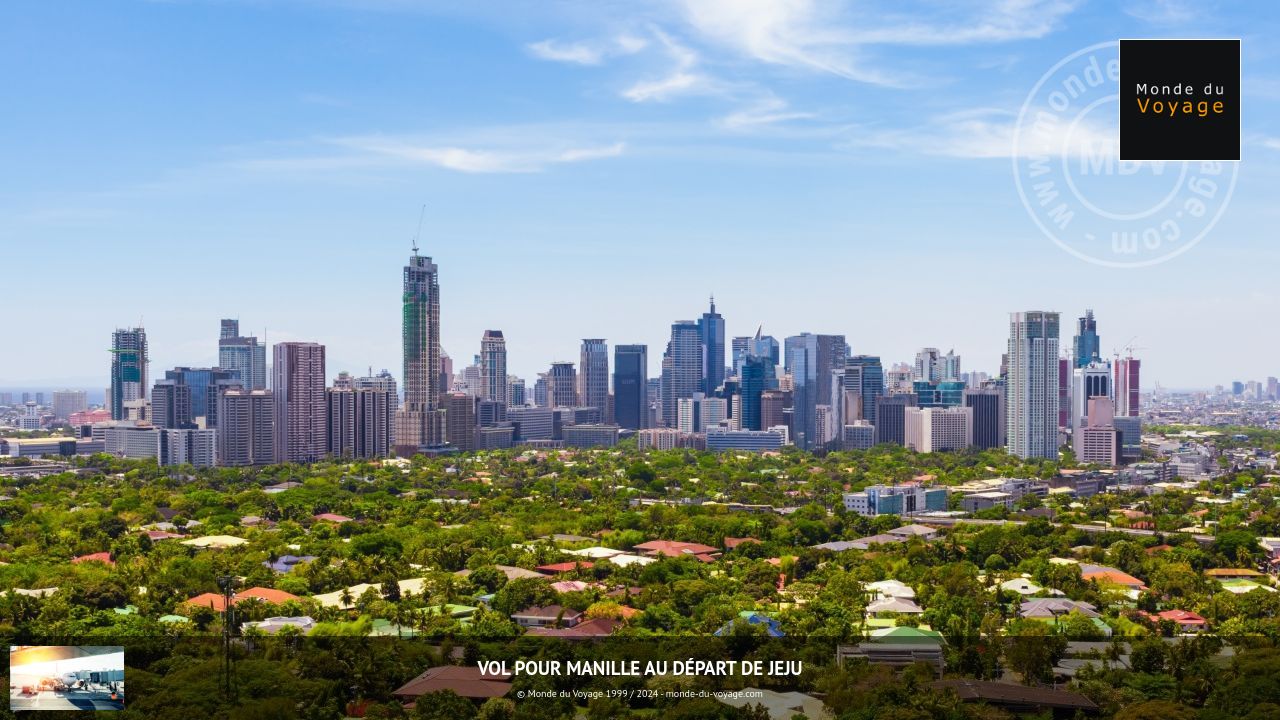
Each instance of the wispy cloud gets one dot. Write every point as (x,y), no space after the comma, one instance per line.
(1163,12)
(587,52)
(830,37)
(986,133)
(478,160)
(681,79)
(766,111)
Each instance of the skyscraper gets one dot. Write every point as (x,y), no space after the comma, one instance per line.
(1086,346)
(1087,382)
(562,382)
(811,359)
(1032,386)
(871,376)
(242,355)
(928,368)
(493,367)
(891,418)
(340,418)
(753,381)
(593,374)
(1128,386)
(630,386)
(203,383)
(171,405)
(460,421)
(988,406)
(300,409)
(68,402)
(417,422)
(128,369)
(938,429)
(711,338)
(681,368)
(245,434)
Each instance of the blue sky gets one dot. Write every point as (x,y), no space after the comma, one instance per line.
(589,170)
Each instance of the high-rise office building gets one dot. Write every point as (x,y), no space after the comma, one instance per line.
(938,429)
(630,386)
(1086,347)
(1128,386)
(493,367)
(417,423)
(593,374)
(774,408)
(949,367)
(171,405)
(1090,381)
(460,421)
(246,427)
(811,360)
(988,406)
(1032,386)
(739,348)
(203,383)
(67,402)
(753,382)
(298,379)
(681,368)
(128,369)
(928,368)
(243,355)
(711,337)
(562,385)
(1097,440)
(869,377)
(516,392)
(891,417)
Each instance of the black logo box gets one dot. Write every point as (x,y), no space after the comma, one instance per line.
(1186,68)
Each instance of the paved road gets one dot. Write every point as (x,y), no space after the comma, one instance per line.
(64,700)
(949,522)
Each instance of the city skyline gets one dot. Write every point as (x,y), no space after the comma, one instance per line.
(655,157)
(158,368)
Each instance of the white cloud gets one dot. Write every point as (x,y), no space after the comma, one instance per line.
(989,133)
(682,79)
(587,53)
(1162,12)
(829,37)
(767,111)
(470,160)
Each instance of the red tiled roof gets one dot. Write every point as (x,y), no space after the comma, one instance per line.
(211,600)
(564,567)
(102,557)
(671,548)
(270,595)
(332,517)
(733,542)
(215,601)
(1182,618)
(467,682)
(1114,577)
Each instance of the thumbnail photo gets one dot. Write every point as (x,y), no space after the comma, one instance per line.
(66,677)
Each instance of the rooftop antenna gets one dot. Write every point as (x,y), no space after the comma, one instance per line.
(418,234)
